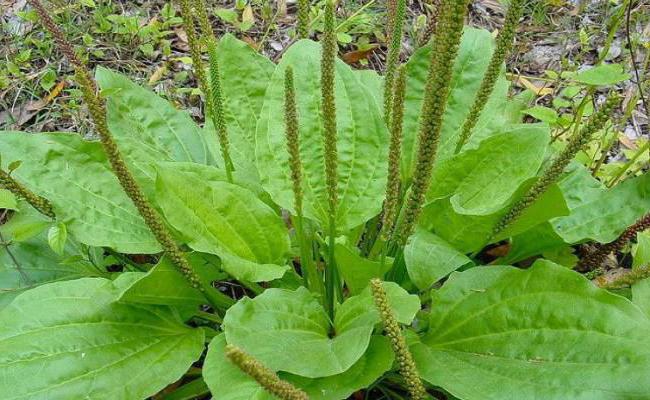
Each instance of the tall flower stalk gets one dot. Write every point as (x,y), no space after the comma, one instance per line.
(391,203)
(268,379)
(210,86)
(407,366)
(39,203)
(303,19)
(311,275)
(328,67)
(503,47)
(557,167)
(443,54)
(394,51)
(97,110)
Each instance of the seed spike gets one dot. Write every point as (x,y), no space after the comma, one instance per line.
(596,258)
(293,144)
(268,379)
(41,204)
(210,87)
(328,66)
(503,47)
(436,91)
(393,55)
(303,19)
(97,110)
(407,366)
(394,156)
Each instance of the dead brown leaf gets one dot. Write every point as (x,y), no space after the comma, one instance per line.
(358,55)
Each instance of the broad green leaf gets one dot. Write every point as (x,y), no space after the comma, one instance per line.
(8,200)
(226,220)
(374,82)
(24,265)
(429,258)
(356,270)
(148,129)
(229,383)
(70,340)
(162,285)
(75,176)
(140,119)
(641,250)
(469,233)
(544,333)
(604,74)
(57,237)
(603,215)
(480,181)
(245,74)
(362,141)
(469,68)
(278,319)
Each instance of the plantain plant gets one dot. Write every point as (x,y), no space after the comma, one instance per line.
(324,235)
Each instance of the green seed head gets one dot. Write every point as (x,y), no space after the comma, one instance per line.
(404,358)
(264,376)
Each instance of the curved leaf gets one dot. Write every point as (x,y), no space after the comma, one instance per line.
(428,259)
(226,380)
(140,119)
(469,233)
(356,270)
(227,220)
(480,181)
(75,176)
(149,129)
(362,141)
(69,340)
(289,330)
(505,333)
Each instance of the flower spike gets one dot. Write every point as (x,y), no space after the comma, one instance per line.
(268,379)
(393,56)
(210,87)
(41,204)
(394,155)
(303,19)
(504,44)
(436,91)
(407,366)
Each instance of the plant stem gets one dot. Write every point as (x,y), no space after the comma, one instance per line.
(209,317)
(331,271)
(312,278)
(621,171)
